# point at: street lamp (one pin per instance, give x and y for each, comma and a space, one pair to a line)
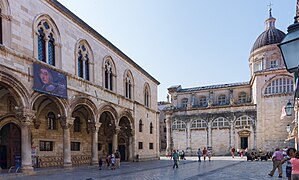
289, 108
289, 46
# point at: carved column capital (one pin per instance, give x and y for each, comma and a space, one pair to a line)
66, 122
25, 116
117, 129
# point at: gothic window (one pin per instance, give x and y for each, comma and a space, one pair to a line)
1, 38
5, 23
178, 125
203, 101
83, 61
146, 95
242, 97
222, 100
77, 124
244, 121
220, 122
109, 74
184, 103
140, 125
279, 86
128, 85
198, 124
51, 121
46, 42
151, 128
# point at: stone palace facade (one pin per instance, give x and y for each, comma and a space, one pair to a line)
241, 115
68, 95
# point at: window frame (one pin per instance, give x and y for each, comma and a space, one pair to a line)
140, 145
75, 146
46, 145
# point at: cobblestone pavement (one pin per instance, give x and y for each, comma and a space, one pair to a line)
190, 169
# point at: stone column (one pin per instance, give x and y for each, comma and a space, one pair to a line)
114, 139
131, 153
188, 127
168, 134
232, 134
66, 123
94, 129
25, 116
209, 134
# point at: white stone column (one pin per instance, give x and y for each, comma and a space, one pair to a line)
232, 134
66, 123
168, 134
94, 129
188, 127
115, 140
25, 116
209, 134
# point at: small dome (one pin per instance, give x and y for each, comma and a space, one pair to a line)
270, 36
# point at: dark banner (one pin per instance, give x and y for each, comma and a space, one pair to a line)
49, 81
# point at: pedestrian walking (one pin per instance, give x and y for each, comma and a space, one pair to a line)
295, 166
117, 158
290, 154
199, 154
183, 155
232, 151
108, 160
204, 153
175, 157
276, 159
100, 163
209, 153
113, 162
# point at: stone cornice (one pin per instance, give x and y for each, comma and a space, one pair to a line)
58, 6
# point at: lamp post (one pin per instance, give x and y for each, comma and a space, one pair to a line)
289, 108
289, 128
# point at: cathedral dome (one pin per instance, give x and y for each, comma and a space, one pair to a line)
270, 36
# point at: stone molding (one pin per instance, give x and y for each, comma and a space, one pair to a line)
66, 122
25, 116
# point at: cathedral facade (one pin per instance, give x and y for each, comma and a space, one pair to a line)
68, 95
241, 115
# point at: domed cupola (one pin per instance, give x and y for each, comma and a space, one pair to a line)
270, 36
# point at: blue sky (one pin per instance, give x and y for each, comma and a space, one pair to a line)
185, 42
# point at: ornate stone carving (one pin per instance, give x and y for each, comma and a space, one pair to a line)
66, 122
25, 116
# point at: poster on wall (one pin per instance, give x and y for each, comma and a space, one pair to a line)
49, 81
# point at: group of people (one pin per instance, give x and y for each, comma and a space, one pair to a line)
112, 161
204, 153
289, 156
240, 152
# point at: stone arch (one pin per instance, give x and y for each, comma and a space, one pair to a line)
15, 87
265, 85
107, 107
127, 114
147, 94
128, 78
84, 101
109, 79
48, 18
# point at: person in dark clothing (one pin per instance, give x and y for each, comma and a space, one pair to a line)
100, 163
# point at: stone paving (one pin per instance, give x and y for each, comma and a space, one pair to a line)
218, 168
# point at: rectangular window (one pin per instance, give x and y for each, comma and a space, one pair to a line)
99, 146
140, 145
151, 145
46, 145
75, 146
273, 64
164, 129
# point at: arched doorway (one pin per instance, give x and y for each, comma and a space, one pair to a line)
124, 138
10, 145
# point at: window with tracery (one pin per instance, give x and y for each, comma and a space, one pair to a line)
242, 97
140, 125
52, 124
220, 122
279, 86
203, 101
146, 96
83, 62
46, 43
77, 124
178, 125
108, 68
198, 124
222, 100
1, 38
244, 121
128, 85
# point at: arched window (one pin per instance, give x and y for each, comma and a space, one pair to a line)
242, 97
109, 74
77, 124
178, 125
197, 124
184, 103
220, 122
52, 125
128, 84
279, 86
244, 121
140, 125
83, 60
5, 23
1, 35
151, 128
46, 41
222, 100
146, 93
203, 101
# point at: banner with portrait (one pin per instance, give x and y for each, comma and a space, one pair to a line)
49, 81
